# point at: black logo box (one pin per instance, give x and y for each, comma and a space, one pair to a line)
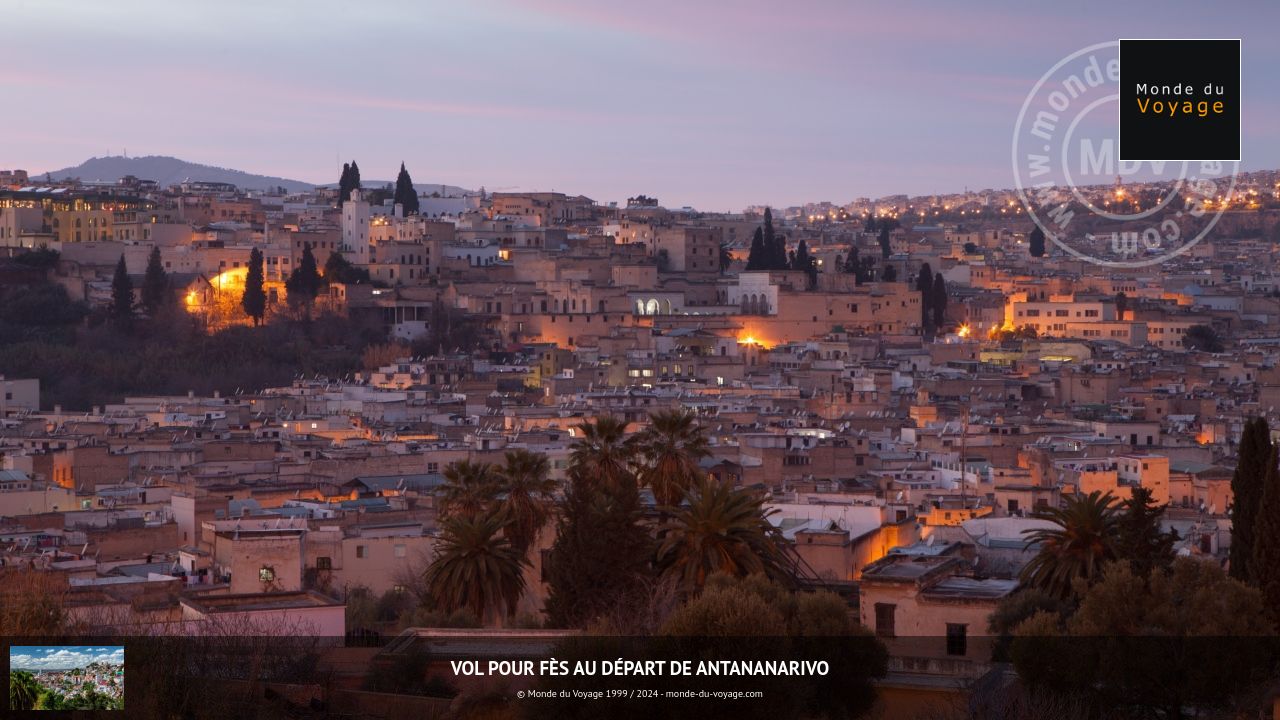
1186, 65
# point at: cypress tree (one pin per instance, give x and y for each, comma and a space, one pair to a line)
924, 280
889, 274
1265, 564
802, 258
1246, 488
756, 259
121, 307
254, 300
405, 195
781, 258
1141, 541
155, 284
601, 555
885, 249
355, 176
344, 183
924, 285
1036, 242
304, 282
775, 247
939, 300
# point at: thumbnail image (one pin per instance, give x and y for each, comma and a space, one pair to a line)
66, 677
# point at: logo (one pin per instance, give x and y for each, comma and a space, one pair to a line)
1085, 199
1180, 99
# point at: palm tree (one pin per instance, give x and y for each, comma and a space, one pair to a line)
23, 690
526, 496
476, 566
469, 488
1083, 541
720, 529
602, 454
671, 447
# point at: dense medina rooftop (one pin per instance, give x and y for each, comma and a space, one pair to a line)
234, 412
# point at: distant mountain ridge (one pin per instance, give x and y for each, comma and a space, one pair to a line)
166, 171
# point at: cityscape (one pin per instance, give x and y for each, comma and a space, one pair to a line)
345, 403
57, 677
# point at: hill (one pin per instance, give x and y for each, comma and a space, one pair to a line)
168, 171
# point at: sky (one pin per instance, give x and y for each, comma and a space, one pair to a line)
62, 657
706, 103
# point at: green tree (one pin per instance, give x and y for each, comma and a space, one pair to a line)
671, 449
121, 307
1035, 242
805, 262
601, 454
924, 285
470, 488
406, 196
337, 269
602, 555
970, 249
890, 273
344, 183
476, 567
726, 258
758, 618
349, 181
774, 245
938, 300
1246, 488
727, 610
1203, 338
1083, 541
24, 690
1140, 540
886, 249
720, 529
1265, 567
155, 284
1189, 637
254, 299
756, 258
41, 256
304, 283
526, 495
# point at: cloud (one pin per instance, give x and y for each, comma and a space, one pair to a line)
62, 658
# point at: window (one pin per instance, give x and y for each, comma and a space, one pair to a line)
884, 619
267, 574
360, 551
324, 563
957, 639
